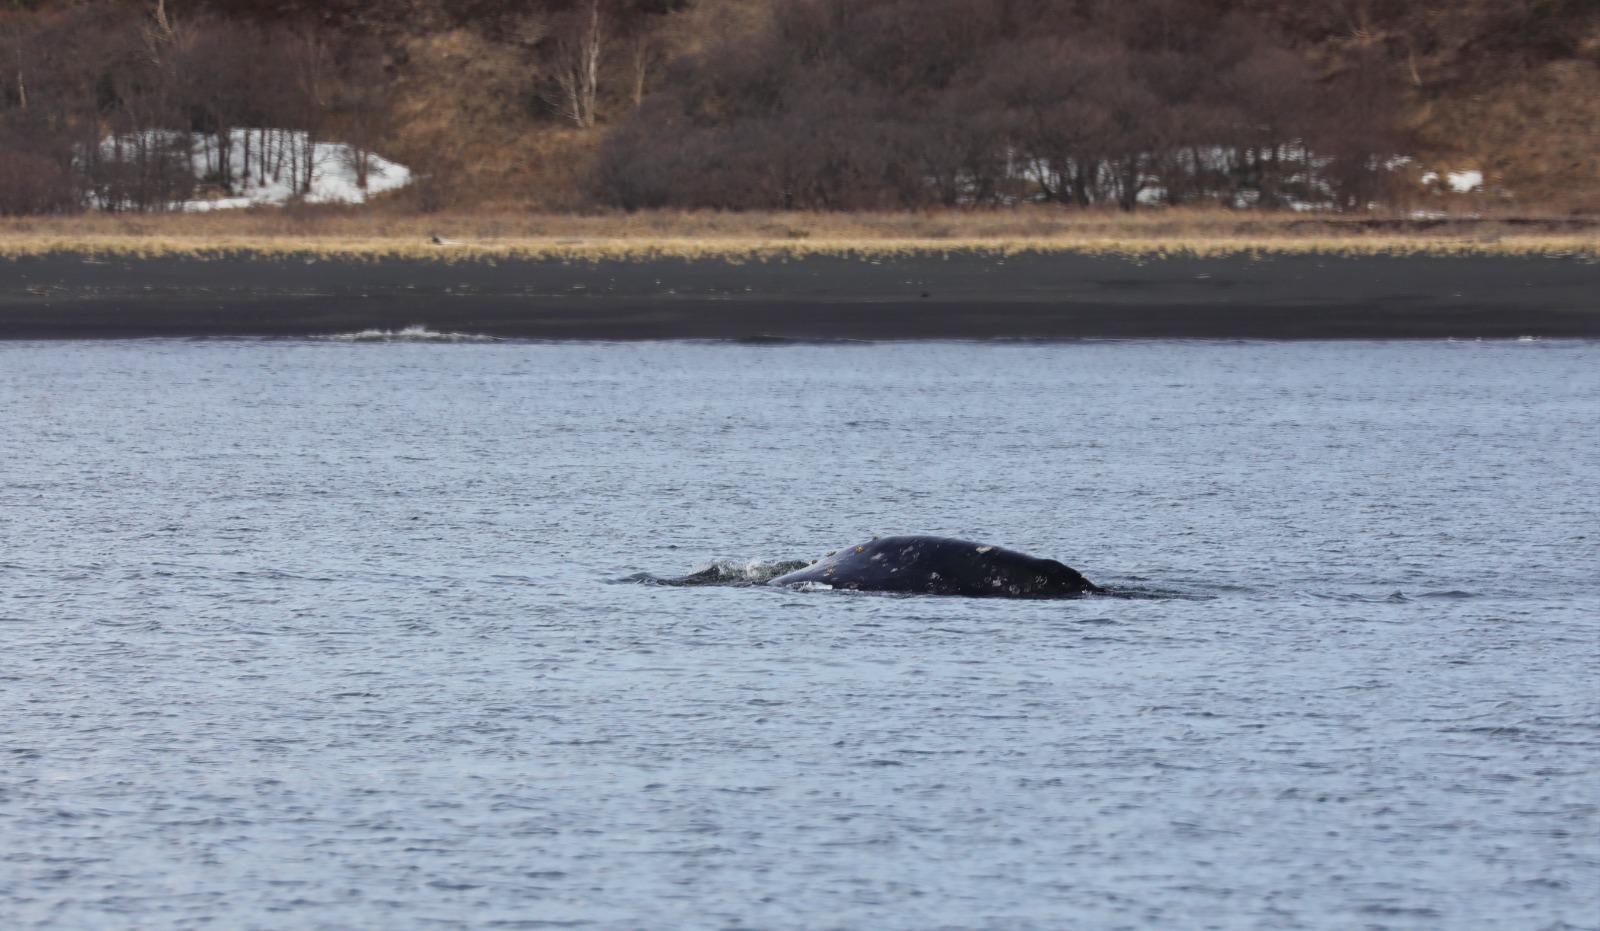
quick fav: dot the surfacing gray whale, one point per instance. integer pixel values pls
(942, 566)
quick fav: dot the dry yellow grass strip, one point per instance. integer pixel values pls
(348, 234)
(740, 250)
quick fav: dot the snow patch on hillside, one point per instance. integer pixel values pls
(1459, 182)
(270, 167)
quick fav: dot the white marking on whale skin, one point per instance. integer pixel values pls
(933, 576)
(876, 557)
(985, 549)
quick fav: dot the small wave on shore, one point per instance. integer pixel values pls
(410, 334)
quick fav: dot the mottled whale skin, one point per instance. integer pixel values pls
(942, 566)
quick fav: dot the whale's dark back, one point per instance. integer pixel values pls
(942, 566)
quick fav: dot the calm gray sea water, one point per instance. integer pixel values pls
(331, 634)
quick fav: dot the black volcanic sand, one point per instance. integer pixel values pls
(929, 296)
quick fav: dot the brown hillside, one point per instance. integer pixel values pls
(560, 105)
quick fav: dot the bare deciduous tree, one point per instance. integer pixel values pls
(643, 53)
(576, 65)
(311, 64)
(12, 34)
(364, 104)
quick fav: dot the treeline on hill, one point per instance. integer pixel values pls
(817, 104)
(144, 105)
(110, 106)
(845, 104)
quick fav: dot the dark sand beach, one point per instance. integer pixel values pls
(928, 295)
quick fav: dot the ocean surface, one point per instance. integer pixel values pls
(352, 633)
